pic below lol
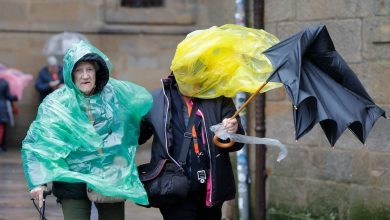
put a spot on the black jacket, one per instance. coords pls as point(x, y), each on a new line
point(5, 96)
point(157, 123)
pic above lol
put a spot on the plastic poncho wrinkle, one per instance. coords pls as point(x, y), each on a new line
point(63, 145)
point(222, 61)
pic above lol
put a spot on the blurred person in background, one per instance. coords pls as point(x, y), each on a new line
point(50, 78)
point(5, 110)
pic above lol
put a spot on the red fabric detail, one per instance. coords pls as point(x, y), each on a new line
point(54, 76)
point(208, 190)
point(1, 132)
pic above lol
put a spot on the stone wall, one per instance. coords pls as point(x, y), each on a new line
point(350, 181)
point(140, 42)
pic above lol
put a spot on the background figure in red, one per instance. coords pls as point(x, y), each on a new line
point(50, 78)
point(5, 110)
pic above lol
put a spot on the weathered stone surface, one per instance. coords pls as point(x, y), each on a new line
point(286, 10)
point(381, 7)
point(276, 94)
point(12, 12)
point(368, 202)
point(379, 175)
point(175, 11)
point(346, 35)
point(331, 164)
point(211, 13)
point(294, 165)
point(287, 191)
point(374, 77)
point(376, 38)
point(326, 199)
point(331, 9)
point(49, 11)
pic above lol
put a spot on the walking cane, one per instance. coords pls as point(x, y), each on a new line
point(229, 144)
point(42, 209)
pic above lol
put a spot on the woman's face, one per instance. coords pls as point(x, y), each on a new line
point(84, 76)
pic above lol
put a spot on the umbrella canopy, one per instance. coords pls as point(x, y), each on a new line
point(321, 86)
point(17, 80)
point(58, 44)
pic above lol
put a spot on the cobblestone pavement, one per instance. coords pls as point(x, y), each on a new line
point(15, 203)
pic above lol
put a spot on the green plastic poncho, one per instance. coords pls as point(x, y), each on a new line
point(63, 145)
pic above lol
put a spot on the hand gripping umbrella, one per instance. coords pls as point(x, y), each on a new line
point(321, 86)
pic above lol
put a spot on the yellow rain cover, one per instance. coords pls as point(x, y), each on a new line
point(221, 61)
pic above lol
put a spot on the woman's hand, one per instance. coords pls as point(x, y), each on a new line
point(37, 193)
point(230, 124)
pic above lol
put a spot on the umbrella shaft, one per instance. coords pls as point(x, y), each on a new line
point(249, 99)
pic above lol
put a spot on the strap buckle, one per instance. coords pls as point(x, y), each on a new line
point(187, 134)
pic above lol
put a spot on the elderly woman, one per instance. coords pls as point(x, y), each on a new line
point(85, 137)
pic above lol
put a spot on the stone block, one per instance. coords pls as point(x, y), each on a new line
point(279, 10)
point(377, 29)
point(271, 27)
point(215, 13)
point(279, 122)
point(296, 164)
point(172, 12)
point(379, 175)
point(331, 164)
point(376, 38)
point(368, 202)
point(346, 35)
point(374, 76)
point(326, 200)
point(8, 59)
point(381, 7)
point(14, 12)
point(13, 42)
point(55, 12)
point(331, 9)
point(286, 191)
point(278, 94)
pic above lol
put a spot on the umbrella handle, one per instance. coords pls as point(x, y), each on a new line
point(229, 144)
point(220, 144)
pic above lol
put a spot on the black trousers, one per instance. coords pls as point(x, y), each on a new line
point(194, 208)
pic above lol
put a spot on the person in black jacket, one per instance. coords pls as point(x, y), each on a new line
point(207, 166)
point(49, 78)
point(5, 110)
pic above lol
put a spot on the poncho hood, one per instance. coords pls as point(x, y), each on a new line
point(84, 52)
point(91, 139)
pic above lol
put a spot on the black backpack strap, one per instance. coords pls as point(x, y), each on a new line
point(187, 136)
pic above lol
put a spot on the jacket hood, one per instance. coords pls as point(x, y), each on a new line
point(85, 52)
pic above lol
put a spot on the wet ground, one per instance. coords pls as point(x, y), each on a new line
point(15, 203)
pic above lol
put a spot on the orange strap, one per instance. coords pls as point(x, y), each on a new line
point(194, 136)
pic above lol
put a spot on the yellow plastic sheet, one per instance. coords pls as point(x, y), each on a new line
point(221, 61)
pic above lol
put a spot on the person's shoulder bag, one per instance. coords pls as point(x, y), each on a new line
point(165, 182)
